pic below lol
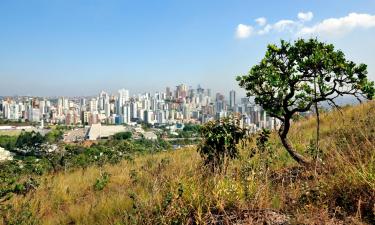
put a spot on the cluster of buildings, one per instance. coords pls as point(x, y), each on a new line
point(180, 105)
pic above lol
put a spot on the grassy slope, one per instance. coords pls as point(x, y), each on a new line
point(171, 187)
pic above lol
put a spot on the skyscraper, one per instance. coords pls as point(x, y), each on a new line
point(126, 112)
point(133, 110)
point(232, 99)
point(181, 91)
point(123, 97)
point(93, 105)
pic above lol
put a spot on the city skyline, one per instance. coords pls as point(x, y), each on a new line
point(76, 48)
point(172, 107)
point(239, 94)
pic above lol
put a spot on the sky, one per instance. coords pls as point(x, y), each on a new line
point(80, 47)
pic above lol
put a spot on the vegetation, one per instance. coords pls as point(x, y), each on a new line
point(125, 181)
point(15, 175)
point(16, 123)
point(292, 78)
point(30, 140)
point(122, 136)
point(8, 142)
point(263, 185)
point(219, 144)
point(98, 185)
point(55, 135)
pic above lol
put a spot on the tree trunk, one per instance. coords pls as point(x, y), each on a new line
point(317, 127)
point(316, 157)
point(317, 123)
point(283, 132)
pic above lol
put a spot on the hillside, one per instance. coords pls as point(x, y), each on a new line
point(173, 188)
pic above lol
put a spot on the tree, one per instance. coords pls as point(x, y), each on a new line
point(122, 136)
point(30, 140)
point(283, 82)
point(219, 142)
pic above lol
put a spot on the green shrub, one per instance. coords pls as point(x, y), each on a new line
point(102, 181)
point(122, 136)
point(219, 143)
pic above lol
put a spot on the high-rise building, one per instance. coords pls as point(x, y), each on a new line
point(181, 91)
point(123, 96)
point(107, 109)
point(133, 110)
point(208, 92)
point(93, 105)
point(168, 93)
point(232, 99)
point(103, 98)
point(14, 112)
point(148, 116)
point(126, 111)
point(34, 115)
point(42, 107)
point(83, 104)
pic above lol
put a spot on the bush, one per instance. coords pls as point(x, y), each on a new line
point(8, 142)
point(219, 143)
point(122, 136)
point(30, 139)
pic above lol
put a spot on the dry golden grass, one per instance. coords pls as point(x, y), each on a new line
point(172, 187)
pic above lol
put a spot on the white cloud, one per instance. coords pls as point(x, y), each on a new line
point(265, 30)
point(261, 21)
point(340, 26)
point(285, 25)
point(327, 27)
point(244, 31)
point(305, 16)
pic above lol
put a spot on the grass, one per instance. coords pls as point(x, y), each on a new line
point(173, 187)
point(10, 132)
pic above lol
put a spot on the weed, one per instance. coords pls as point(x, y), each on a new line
point(102, 181)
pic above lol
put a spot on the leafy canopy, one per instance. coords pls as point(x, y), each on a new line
point(292, 77)
point(122, 135)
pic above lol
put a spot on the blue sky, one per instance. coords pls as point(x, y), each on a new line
point(73, 47)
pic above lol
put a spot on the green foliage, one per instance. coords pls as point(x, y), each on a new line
point(8, 142)
point(12, 171)
point(189, 131)
point(20, 217)
point(122, 136)
point(54, 135)
point(283, 82)
point(192, 128)
point(30, 140)
point(313, 151)
point(263, 154)
point(102, 181)
point(219, 142)
point(292, 77)
point(262, 140)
